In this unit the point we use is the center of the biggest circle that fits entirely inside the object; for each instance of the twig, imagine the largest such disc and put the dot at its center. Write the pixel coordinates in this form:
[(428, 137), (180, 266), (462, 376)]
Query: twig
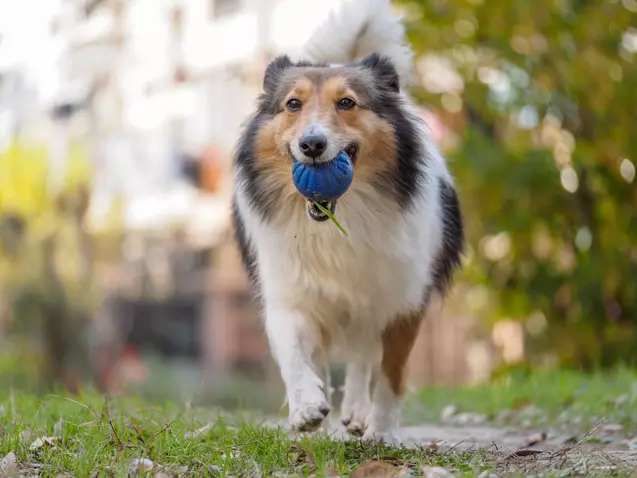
[(163, 429), (566, 449), (119, 443), (454, 447)]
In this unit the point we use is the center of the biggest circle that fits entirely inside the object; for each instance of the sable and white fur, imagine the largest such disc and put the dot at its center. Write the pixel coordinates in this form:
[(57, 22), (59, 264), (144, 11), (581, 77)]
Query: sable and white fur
[(359, 298)]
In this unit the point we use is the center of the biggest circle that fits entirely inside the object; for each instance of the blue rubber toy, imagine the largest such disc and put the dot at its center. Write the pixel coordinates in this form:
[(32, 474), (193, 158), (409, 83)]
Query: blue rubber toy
[(324, 181)]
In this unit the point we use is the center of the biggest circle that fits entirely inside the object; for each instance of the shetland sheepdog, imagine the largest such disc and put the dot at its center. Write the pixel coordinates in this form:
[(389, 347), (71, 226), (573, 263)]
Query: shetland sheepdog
[(359, 298)]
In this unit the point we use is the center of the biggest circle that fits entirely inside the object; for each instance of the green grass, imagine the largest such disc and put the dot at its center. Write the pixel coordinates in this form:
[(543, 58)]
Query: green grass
[(539, 398), (103, 438)]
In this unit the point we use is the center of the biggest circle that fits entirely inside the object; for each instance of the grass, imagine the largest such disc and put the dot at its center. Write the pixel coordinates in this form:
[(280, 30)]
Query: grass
[(556, 397), (96, 437), (100, 438)]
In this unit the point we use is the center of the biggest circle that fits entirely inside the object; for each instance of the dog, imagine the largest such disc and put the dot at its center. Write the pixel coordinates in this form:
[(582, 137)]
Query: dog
[(361, 297)]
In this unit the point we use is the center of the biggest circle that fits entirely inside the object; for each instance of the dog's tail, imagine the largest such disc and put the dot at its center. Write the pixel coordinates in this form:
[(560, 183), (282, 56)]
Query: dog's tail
[(358, 28)]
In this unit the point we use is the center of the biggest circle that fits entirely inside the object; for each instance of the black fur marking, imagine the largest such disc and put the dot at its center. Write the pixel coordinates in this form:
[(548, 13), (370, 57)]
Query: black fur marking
[(274, 71), (248, 255), (262, 199), (450, 255), (388, 104), (384, 70)]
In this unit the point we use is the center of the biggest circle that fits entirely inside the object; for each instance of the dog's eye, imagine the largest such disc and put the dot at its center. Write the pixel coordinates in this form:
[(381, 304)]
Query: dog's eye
[(293, 105), (345, 103)]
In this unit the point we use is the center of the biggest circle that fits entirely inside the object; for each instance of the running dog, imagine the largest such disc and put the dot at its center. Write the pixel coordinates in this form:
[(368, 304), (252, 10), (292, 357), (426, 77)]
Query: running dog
[(360, 297)]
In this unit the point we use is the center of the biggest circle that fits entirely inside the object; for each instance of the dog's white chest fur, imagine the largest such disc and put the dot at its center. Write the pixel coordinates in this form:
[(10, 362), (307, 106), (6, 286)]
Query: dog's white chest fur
[(352, 286)]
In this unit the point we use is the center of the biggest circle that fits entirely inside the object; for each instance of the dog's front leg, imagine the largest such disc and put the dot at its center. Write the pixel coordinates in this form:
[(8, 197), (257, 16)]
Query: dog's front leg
[(298, 350), (398, 340)]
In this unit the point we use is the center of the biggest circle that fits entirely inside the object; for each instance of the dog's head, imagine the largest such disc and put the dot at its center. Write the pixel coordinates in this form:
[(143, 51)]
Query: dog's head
[(310, 113)]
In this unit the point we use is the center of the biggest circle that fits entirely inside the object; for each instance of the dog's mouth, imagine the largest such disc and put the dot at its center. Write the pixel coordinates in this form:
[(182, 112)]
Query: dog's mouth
[(315, 212), (351, 151)]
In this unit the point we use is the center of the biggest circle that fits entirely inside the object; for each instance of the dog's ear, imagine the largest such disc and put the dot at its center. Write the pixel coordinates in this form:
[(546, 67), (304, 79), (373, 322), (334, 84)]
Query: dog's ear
[(384, 71), (274, 71)]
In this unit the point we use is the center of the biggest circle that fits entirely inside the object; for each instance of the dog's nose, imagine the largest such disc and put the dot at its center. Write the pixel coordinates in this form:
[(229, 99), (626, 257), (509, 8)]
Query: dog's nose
[(313, 144)]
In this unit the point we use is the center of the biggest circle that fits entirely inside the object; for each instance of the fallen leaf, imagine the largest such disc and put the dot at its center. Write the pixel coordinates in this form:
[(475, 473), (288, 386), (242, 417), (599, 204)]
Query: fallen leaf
[(9, 465), (199, 431), (379, 469), (524, 452), (432, 447), (40, 442), (435, 472)]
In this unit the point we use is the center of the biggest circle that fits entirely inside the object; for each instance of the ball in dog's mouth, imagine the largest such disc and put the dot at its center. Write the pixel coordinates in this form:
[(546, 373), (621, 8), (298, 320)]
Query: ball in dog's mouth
[(315, 213)]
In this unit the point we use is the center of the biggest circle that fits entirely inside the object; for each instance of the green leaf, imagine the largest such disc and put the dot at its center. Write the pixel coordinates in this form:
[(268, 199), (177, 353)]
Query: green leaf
[(331, 216)]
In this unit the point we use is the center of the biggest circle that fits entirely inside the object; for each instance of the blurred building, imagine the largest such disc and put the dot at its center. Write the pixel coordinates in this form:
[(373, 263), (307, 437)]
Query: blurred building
[(158, 90)]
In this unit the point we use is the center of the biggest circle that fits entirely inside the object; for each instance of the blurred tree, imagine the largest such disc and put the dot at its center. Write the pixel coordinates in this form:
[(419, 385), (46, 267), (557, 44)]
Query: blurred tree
[(542, 99), (47, 258)]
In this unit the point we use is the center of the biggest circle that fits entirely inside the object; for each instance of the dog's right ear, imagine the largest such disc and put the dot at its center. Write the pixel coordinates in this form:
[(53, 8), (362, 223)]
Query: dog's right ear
[(274, 71)]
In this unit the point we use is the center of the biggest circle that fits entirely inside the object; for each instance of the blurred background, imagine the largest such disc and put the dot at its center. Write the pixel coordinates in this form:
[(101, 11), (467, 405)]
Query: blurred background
[(117, 122)]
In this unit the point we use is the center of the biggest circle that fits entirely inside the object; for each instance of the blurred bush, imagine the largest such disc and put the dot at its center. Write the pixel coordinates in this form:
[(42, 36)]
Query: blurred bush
[(48, 288), (539, 99)]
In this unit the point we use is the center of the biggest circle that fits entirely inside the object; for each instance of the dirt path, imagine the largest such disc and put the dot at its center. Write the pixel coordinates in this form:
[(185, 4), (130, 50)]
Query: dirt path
[(514, 449)]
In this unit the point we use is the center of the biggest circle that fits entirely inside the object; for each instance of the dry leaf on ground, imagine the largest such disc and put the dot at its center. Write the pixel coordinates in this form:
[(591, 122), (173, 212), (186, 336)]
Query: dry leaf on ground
[(42, 441), (199, 431), (379, 469)]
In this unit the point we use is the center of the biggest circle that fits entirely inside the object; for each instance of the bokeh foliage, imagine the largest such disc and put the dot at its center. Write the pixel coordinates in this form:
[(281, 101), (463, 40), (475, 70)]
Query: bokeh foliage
[(542, 98), (48, 289)]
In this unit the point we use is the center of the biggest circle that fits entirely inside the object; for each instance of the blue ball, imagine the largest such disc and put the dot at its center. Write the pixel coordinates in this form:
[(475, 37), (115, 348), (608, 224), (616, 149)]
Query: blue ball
[(324, 181)]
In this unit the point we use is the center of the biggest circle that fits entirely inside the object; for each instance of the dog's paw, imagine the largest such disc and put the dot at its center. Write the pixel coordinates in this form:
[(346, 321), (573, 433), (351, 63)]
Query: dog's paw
[(354, 414), (382, 438), (307, 417), (354, 422)]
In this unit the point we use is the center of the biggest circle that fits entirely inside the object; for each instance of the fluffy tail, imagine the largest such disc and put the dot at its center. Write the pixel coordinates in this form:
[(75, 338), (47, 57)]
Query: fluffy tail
[(358, 28)]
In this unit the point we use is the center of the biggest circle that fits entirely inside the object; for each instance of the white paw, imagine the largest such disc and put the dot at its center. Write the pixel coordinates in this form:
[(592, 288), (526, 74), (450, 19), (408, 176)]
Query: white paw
[(354, 414), (308, 416), (382, 438), (355, 421)]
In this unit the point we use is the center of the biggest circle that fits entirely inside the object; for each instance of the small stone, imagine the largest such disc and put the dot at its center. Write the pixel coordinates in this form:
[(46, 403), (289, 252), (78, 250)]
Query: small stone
[(611, 428), (469, 418), (447, 413), (140, 465), (9, 465), (435, 472), (506, 416)]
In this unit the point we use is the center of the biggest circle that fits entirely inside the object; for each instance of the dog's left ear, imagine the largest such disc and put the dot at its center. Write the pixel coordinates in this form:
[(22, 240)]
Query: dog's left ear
[(274, 71), (383, 70)]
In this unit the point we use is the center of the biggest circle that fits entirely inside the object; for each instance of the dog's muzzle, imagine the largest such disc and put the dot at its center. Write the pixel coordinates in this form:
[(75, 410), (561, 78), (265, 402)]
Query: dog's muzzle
[(315, 213)]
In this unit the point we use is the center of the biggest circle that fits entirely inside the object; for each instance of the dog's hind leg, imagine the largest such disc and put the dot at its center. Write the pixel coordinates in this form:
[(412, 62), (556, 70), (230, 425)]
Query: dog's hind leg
[(398, 340), (356, 402), (297, 347)]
